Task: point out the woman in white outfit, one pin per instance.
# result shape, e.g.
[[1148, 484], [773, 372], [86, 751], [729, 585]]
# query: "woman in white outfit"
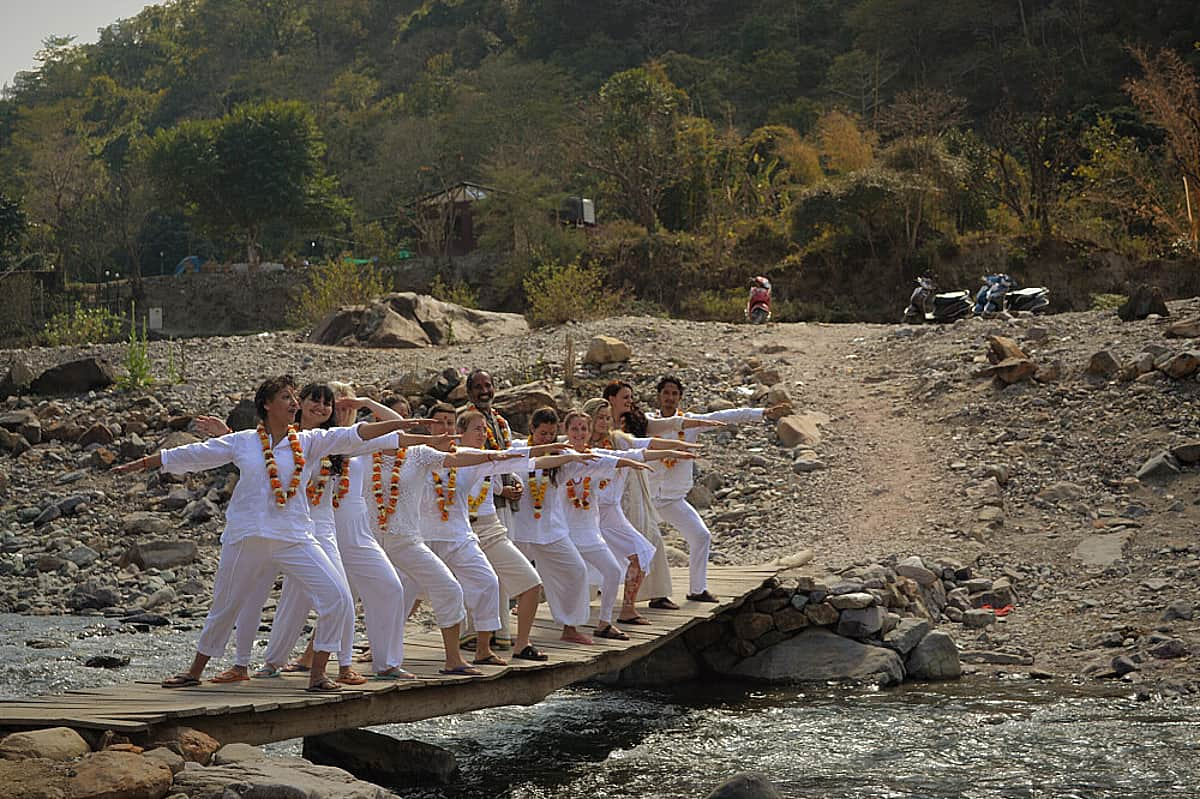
[[625, 541], [268, 528], [540, 531], [578, 485]]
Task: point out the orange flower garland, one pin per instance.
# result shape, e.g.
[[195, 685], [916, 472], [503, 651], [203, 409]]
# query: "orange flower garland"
[[385, 508], [473, 503], [342, 491], [315, 490], [281, 496], [537, 490], [580, 501], [445, 491], [505, 432]]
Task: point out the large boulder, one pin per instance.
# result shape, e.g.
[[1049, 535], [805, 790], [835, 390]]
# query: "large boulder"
[[935, 658], [289, 777], [1144, 300], [119, 775], [405, 319], [17, 380], [607, 349], [518, 403], [53, 743], [818, 655], [748, 785], [383, 759], [164, 554], [801, 428], [75, 377]]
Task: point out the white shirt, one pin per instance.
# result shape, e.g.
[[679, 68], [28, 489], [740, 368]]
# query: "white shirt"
[[583, 524], [350, 516], [614, 488], [669, 483], [252, 509], [487, 507], [414, 472], [457, 527]]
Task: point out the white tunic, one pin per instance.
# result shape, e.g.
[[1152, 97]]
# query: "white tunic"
[[583, 523], [671, 482], [406, 521], [457, 526], [252, 510]]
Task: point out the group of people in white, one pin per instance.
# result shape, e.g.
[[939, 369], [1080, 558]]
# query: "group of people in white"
[[452, 508]]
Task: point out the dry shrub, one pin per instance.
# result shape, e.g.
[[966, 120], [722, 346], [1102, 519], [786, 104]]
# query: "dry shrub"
[[333, 285], [556, 293]]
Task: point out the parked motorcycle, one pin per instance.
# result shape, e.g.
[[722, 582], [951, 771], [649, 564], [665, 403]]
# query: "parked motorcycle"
[[758, 306], [927, 305], [999, 292]]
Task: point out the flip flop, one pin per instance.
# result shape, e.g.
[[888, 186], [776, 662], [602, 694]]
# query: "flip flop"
[[325, 686], [267, 672], [230, 675], [350, 677], [531, 653], [637, 619], [612, 633], [462, 671], [394, 673], [490, 660], [294, 668], [663, 603], [180, 681]]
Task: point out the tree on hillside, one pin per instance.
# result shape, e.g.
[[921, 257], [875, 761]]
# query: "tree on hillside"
[[258, 165], [633, 139], [12, 227]]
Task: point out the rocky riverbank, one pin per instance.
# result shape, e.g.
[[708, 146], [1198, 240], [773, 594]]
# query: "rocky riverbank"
[[904, 442]]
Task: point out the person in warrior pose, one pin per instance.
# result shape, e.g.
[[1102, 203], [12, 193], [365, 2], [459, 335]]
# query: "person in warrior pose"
[[638, 503], [622, 537], [669, 483], [578, 485], [268, 528]]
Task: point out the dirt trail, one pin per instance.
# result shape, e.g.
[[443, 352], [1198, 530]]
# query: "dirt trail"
[[885, 475]]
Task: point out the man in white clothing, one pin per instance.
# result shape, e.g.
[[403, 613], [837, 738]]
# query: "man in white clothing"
[[670, 482]]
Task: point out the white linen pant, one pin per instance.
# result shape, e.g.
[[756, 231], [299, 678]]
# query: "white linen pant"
[[480, 586], [423, 572], [611, 573], [385, 603], [512, 567], [247, 565], [623, 538], [564, 578], [684, 518]]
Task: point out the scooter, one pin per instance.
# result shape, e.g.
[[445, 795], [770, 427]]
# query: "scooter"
[[758, 307], [999, 292], [926, 305]]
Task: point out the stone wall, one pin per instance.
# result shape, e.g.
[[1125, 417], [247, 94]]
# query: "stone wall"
[[874, 625]]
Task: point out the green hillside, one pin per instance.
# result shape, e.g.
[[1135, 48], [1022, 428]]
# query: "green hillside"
[[861, 141]]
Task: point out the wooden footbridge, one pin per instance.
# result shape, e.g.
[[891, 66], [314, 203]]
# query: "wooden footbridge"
[[264, 710]]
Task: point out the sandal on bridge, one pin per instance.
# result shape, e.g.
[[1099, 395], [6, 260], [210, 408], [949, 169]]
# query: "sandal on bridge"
[[394, 673], [267, 672], [636, 618], [531, 653], [350, 677], [611, 633], [490, 660], [180, 681], [231, 675], [462, 671], [663, 603], [325, 686], [294, 668]]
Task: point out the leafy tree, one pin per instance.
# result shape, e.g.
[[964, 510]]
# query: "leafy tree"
[[634, 125], [258, 165], [12, 226]]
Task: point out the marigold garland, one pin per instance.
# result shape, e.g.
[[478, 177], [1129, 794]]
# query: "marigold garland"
[[537, 490], [385, 508], [315, 490], [580, 501], [505, 432], [281, 496], [473, 503], [445, 490]]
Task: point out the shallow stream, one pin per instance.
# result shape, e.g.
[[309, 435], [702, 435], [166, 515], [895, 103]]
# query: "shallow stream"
[[973, 739]]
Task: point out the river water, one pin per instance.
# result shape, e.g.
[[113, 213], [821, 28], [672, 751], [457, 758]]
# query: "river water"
[[973, 739]]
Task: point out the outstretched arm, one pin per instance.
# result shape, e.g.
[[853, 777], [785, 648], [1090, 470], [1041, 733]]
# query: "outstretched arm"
[[668, 454], [477, 456], [668, 443], [626, 463], [554, 461]]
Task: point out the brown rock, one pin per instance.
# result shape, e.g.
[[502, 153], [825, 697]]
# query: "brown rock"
[[1001, 348], [797, 429], [607, 349], [789, 620], [750, 626], [821, 614], [96, 434], [518, 403], [1103, 364], [62, 431], [119, 775], [53, 743], [17, 380], [1144, 300], [1184, 328], [195, 746], [1048, 372], [75, 377], [103, 458], [1182, 365], [1012, 370]]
